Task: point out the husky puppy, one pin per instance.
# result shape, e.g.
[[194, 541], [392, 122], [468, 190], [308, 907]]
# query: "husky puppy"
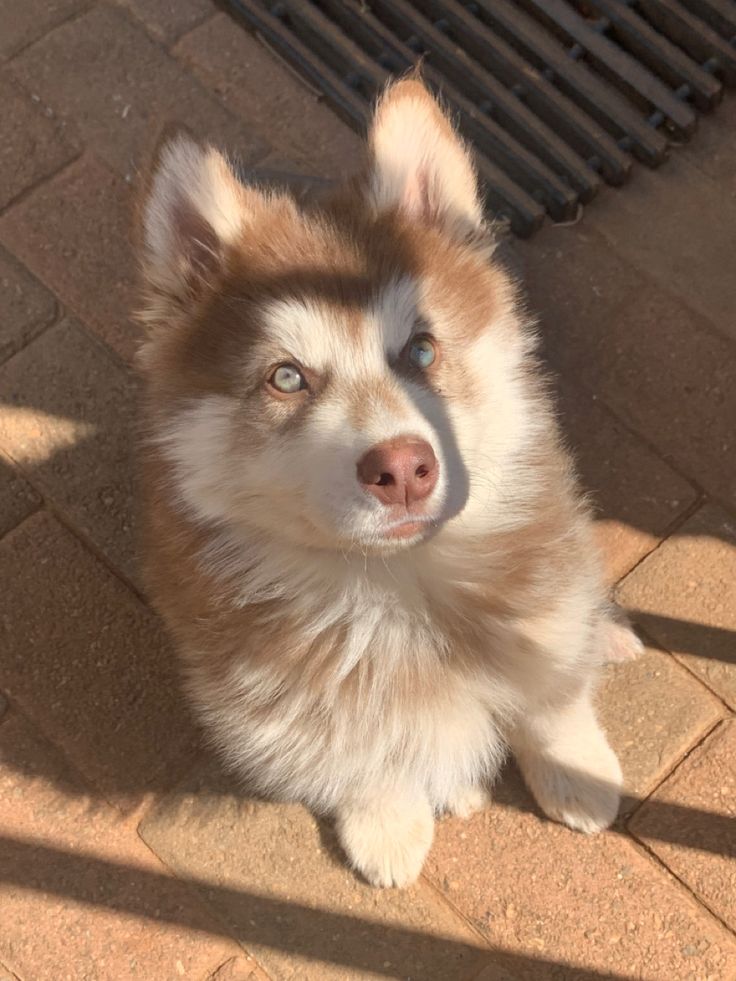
[[363, 531]]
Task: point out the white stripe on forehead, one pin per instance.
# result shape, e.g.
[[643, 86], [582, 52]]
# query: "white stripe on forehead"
[[311, 331], [394, 313]]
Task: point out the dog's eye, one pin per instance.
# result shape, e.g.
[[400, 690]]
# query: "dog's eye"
[[422, 352], [287, 379]]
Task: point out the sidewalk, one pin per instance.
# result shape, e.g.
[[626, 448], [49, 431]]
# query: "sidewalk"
[[124, 853]]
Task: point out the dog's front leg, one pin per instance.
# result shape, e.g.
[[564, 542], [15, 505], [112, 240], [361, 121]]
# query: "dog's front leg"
[[568, 765], [387, 836]]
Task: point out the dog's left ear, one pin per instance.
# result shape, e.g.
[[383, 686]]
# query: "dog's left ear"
[[419, 164]]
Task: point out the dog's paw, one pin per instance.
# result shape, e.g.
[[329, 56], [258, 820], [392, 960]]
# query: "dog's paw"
[[583, 791], [467, 801], [387, 844], [620, 643]]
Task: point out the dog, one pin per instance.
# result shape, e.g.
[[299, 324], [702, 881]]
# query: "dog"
[[362, 527]]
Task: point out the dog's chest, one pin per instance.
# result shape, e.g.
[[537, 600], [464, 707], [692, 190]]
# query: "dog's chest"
[[411, 640]]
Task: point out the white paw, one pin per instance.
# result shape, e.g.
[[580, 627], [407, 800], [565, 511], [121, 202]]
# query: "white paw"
[[582, 791], [388, 843], [620, 643], [466, 801]]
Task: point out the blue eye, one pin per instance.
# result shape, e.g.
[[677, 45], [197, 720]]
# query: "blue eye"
[[422, 352], [287, 379]]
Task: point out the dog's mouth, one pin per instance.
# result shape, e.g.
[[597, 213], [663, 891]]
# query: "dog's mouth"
[[407, 527], [403, 531]]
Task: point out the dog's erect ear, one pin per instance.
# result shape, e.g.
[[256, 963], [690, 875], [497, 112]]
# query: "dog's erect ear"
[[419, 164], [195, 208]]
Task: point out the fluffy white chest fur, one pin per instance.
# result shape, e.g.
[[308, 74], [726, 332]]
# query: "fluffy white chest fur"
[[362, 529], [389, 692]]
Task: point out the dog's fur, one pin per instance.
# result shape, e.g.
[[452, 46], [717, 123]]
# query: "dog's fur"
[[374, 678]]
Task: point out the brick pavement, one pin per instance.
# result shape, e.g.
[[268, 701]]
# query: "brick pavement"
[[124, 851]]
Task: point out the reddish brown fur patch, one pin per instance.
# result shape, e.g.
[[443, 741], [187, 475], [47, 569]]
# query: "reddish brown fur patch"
[[341, 257]]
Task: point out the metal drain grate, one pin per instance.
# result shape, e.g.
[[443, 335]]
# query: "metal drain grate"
[[556, 95]]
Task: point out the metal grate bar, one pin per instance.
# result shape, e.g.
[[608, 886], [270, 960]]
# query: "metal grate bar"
[[718, 14], [343, 99], [525, 214], [491, 97], [489, 137], [574, 79], [582, 133], [654, 50], [555, 95], [503, 196], [697, 38], [615, 65]]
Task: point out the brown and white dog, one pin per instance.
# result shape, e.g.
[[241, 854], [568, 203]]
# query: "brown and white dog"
[[362, 529]]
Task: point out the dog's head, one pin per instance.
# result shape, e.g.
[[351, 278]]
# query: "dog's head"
[[344, 376]]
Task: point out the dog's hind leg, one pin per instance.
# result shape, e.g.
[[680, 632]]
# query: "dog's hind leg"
[[619, 642]]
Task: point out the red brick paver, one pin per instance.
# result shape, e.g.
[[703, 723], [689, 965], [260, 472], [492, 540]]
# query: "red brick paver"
[[658, 353], [137, 89], [715, 148], [637, 497], [689, 822], [239, 969], [88, 664], [684, 596], [661, 367], [17, 498], [561, 900], [289, 898], [81, 896], [169, 19], [654, 712], [34, 143], [73, 232], [24, 22], [69, 426], [27, 307], [253, 84], [655, 212]]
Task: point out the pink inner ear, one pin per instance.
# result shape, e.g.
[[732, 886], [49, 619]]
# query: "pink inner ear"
[[196, 239], [416, 200]]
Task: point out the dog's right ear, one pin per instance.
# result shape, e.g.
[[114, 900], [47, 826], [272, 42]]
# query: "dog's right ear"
[[419, 164], [195, 208]]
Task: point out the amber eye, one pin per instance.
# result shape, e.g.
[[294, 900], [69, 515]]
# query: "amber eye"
[[422, 352], [287, 379]]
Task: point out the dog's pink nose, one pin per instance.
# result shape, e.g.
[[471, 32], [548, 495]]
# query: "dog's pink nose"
[[400, 471]]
